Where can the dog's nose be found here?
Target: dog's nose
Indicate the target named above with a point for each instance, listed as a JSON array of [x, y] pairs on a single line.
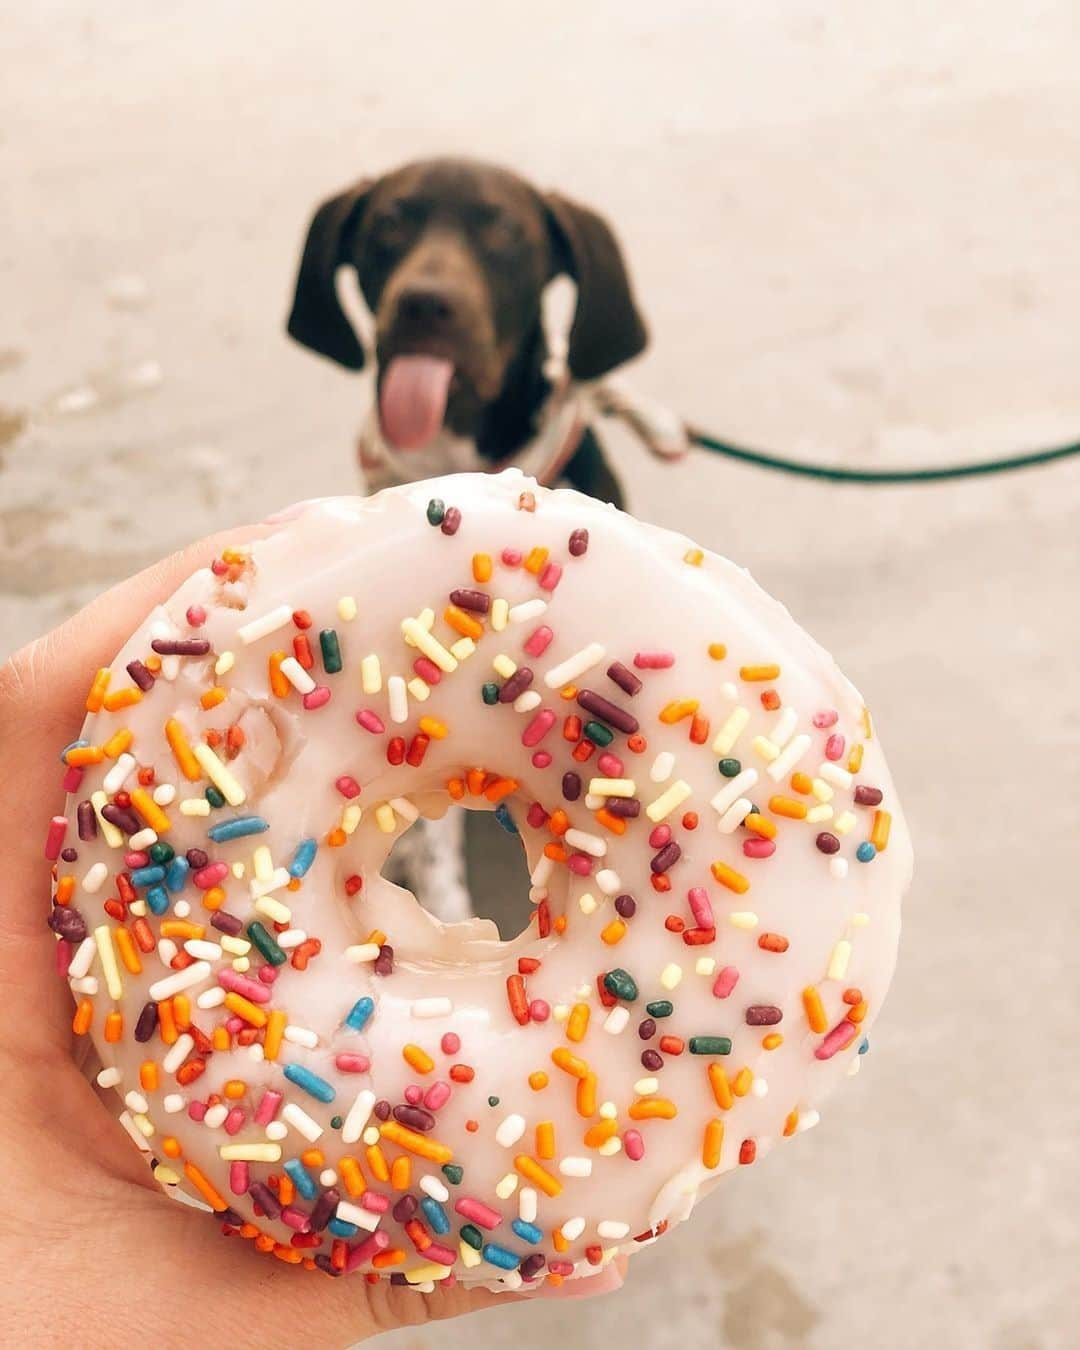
[[424, 304]]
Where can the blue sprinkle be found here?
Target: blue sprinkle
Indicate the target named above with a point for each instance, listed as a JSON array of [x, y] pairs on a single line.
[[340, 1228], [505, 819], [147, 876], [318, 1087], [301, 1176], [528, 1232], [864, 1046], [237, 828], [75, 745], [303, 857], [359, 1013], [499, 1256], [176, 874], [158, 899], [866, 852], [436, 1215]]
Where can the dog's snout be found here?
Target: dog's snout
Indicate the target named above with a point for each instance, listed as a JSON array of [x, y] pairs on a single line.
[[425, 304]]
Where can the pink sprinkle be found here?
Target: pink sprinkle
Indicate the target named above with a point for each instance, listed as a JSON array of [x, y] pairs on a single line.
[[218, 567], [134, 860], [512, 557], [536, 816], [347, 786], [654, 660], [268, 1106], [660, 836], [701, 908], [64, 952], [580, 864], [442, 1256], [238, 1178], [318, 698], [371, 721], [551, 576], [197, 1110], [296, 1218], [560, 1267], [54, 840], [536, 644], [611, 766], [539, 1010], [210, 875], [242, 985], [352, 1063], [437, 1095], [451, 1043], [235, 1025], [538, 728], [268, 974], [828, 717], [414, 1095], [427, 670], [834, 747], [234, 1120], [72, 779], [758, 848], [477, 1212], [633, 1145], [377, 1242], [541, 759], [375, 1202], [196, 616], [841, 1035], [725, 982]]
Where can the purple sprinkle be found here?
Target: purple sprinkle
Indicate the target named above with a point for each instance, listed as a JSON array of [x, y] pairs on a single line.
[[140, 675], [197, 858], [451, 521], [625, 678], [144, 1027], [381, 1109], [68, 923], [652, 1060], [579, 543], [405, 1208], [323, 1209], [415, 1117], [827, 843], [326, 1265], [516, 684], [70, 855], [647, 1029], [868, 796], [384, 962], [629, 808], [663, 861], [607, 711], [225, 922], [763, 1015], [265, 1198], [625, 906], [571, 786], [532, 1266], [122, 818], [87, 818], [476, 601], [180, 646]]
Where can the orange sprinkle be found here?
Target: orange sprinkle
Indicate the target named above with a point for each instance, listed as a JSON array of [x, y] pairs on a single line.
[[275, 1030], [879, 831], [462, 622], [600, 1133], [82, 755], [616, 824], [500, 788], [212, 697], [743, 1082], [122, 698], [243, 1007], [393, 1256], [535, 560], [166, 1022], [234, 1089], [401, 1172], [637, 744], [431, 726], [545, 1140], [556, 852], [540, 1178], [858, 1013], [65, 890], [694, 557], [420, 1144], [578, 1022], [211, 1196], [755, 673], [721, 1088], [791, 1124], [144, 938], [613, 933], [678, 709], [377, 1164], [279, 685], [376, 938], [149, 1077], [717, 650], [182, 929], [182, 753], [417, 1059], [699, 729], [98, 686], [129, 953], [773, 942], [585, 1098], [558, 822], [559, 1242], [773, 1041], [760, 825], [569, 1062], [481, 567], [153, 663], [653, 1108], [456, 789], [713, 1141], [220, 1038], [801, 782], [727, 876], [538, 1080], [560, 924], [787, 806], [170, 1146], [117, 744], [475, 780], [214, 898], [349, 1171], [114, 1027], [815, 1009]]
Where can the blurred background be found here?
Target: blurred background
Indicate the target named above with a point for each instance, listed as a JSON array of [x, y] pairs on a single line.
[[855, 229]]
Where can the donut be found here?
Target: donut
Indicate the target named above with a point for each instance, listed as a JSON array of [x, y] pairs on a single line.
[[713, 847]]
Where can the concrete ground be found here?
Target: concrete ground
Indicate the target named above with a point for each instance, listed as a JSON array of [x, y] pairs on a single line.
[[855, 227]]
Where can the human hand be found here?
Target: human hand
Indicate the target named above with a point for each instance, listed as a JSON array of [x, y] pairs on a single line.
[[104, 1258]]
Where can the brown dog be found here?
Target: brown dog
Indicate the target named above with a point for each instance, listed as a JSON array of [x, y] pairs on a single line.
[[452, 259]]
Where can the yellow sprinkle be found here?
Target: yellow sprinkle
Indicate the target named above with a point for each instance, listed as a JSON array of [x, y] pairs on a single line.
[[504, 666], [677, 710], [500, 614], [346, 608], [671, 976], [757, 673], [242, 1007], [844, 822], [879, 833], [669, 800], [855, 759], [612, 787], [431, 726], [712, 1144], [838, 961], [694, 557], [420, 689], [613, 933], [370, 674], [743, 1082], [218, 774], [110, 833], [109, 967], [578, 1022], [429, 1271], [431, 647], [762, 746], [730, 732], [743, 918], [263, 1153], [385, 818], [263, 863], [721, 1088]]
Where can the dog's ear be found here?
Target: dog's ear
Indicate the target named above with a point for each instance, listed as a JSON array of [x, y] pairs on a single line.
[[317, 319], [607, 328]]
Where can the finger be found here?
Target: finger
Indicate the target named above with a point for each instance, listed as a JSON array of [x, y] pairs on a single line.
[[606, 1282]]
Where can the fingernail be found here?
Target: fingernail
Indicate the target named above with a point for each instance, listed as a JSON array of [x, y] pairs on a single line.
[[589, 1286]]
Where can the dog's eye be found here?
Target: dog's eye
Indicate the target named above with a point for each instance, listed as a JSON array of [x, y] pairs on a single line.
[[392, 227], [501, 234]]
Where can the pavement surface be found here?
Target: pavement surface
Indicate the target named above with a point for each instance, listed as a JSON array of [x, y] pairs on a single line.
[[855, 229]]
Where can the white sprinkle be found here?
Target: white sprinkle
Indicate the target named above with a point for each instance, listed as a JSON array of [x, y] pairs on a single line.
[[616, 1019], [277, 880], [645, 1087], [433, 1186], [591, 844], [762, 746], [357, 1119], [760, 1087], [297, 676], [671, 976], [733, 789], [510, 1131], [608, 881], [167, 951], [610, 1147], [729, 733], [110, 1077], [807, 1121], [818, 814], [527, 1204], [211, 998], [527, 701], [462, 649], [743, 918], [177, 1053], [705, 965], [662, 767], [844, 822], [173, 1103], [80, 963], [95, 878], [115, 779], [328, 1177], [528, 609], [182, 909], [194, 806], [788, 758], [575, 666], [419, 689], [87, 985], [612, 1230], [542, 872], [504, 666], [143, 839], [270, 908], [668, 801], [363, 952], [734, 816], [302, 1036], [224, 663], [432, 1007], [587, 902], [507, 1186], [268, 623], [350, 1213], [277, 1129], [838, 868], [370, 674], [500, 614], [834, 774], [784, 729], [576, 1167], [164, 794], [405, 809], [470, 1258], [301, 1121], [572, 1229], [821, 790], [201, 950], [398, 699]]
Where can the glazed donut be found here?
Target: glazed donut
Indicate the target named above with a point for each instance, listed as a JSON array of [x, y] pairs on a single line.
[[714, 847]]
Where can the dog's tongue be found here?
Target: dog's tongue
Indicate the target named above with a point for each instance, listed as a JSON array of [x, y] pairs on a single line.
[[412, 399]]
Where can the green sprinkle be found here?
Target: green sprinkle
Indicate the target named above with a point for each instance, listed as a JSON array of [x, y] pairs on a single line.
[[490, 693], [621, 984], [162, 853], [453, 1173], [661, 1008], [436, 509], [472, 1235], [331, 651], [730, 768], [598, 733], [336, 1122], [268, 948], [214, 797], [493, 1101], [710, 1045]]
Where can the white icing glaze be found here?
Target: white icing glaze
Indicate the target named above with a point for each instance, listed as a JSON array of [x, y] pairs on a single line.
[[637, 589]]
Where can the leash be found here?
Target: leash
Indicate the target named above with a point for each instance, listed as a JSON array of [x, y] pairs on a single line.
[[832, 473]]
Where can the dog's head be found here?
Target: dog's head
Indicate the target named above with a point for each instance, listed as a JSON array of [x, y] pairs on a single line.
[[452, 258]]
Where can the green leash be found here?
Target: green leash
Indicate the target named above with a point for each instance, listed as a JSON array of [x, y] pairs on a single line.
[[837, 474]]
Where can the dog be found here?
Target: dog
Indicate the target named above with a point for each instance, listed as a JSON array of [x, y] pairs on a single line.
[[453, 258]]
